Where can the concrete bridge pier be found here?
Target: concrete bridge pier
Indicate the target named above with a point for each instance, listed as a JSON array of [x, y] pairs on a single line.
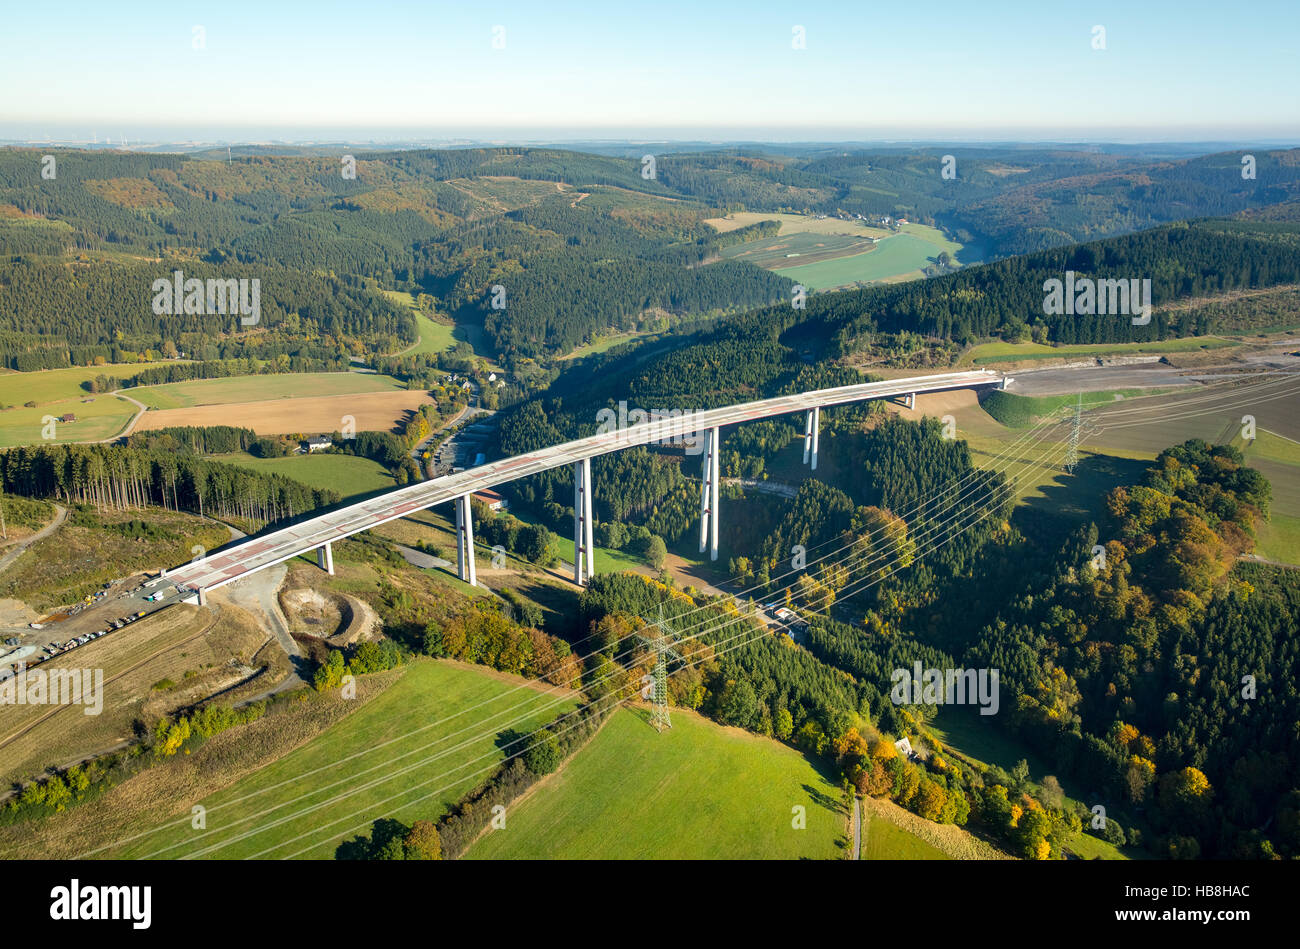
[[910, 400], [584, 548], [465, 541], [709, 494], [325, 557], [812, 436]]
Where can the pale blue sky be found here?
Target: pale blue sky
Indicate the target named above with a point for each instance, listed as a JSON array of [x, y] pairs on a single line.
[[1171, 70]]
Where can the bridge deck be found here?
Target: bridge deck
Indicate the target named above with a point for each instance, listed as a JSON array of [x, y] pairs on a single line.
[[265, 550]]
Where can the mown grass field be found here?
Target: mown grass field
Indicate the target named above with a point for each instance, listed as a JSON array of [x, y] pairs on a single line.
[[798, 248], [987, 353], [59, 392], [975, 737], [55, 384], [882, 840], [835, 253], [898, 257], [601, 344], [98, 417], [1278, 460], [408, 753], [696, 791], [181, 395], [435, 337], [346, 474], [795, 224], [1021, 411]]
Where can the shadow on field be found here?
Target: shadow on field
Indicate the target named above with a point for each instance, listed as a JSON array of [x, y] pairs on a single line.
[[833, 804], [1071, 499]]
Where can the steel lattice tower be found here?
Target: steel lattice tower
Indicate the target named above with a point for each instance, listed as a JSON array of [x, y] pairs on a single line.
[[661, 643], [1072, 456]]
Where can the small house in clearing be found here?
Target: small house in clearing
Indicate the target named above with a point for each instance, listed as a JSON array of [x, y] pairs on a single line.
[[494, 501], [316, 443]]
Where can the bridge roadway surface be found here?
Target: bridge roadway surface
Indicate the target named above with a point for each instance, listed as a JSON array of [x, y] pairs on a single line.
[[265, 550]]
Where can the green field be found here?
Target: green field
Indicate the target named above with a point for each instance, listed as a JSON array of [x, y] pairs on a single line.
[[826, 253], [696, 791], [420, 722], [616, 561], [346, 474], [98, 417], [1272, 447], [1021, 411], [882, 840], [59, 392], [986, 353], [1279, 539], [180, 395], [973, 736], [801, 248], [435, 337], [1278, 460], [50, 384], [900, 256], [601, 344]]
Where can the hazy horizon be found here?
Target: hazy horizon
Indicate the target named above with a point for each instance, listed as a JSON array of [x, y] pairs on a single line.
[[759, 71]]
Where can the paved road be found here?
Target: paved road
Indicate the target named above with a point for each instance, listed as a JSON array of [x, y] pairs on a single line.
[[857, 828], [265, 550], [779, 488], [419, 449], [141, 408], [1061, 381], [1095, 378]]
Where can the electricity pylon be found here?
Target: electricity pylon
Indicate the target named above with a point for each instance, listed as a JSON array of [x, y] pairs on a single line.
[[657, 689], [1072, 456]]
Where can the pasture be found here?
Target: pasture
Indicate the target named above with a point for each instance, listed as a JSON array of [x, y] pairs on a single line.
[[199, 392], [435, 335], [347, 474], [98, 417], [408, 753], [796, 224], [898, 257], [696, 791], [990, 353]]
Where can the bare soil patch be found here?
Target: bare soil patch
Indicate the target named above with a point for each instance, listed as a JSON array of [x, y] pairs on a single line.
[[373, 411]]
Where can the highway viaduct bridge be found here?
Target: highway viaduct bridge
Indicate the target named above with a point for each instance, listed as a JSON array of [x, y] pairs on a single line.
[[318, 533]]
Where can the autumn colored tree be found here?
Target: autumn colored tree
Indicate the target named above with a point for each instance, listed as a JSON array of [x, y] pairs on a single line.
[[423, 842]]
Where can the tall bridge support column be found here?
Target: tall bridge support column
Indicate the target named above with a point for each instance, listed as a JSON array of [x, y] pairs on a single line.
[[584, 548], [709, 494], [203, 597], [812, 436], [325, 557], [465, 541], [910, 400]]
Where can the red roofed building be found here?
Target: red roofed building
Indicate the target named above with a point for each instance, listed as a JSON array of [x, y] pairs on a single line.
[[494, 501]]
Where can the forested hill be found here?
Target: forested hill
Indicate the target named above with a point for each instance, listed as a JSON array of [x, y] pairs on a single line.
[[581, 244], [780, 349]]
